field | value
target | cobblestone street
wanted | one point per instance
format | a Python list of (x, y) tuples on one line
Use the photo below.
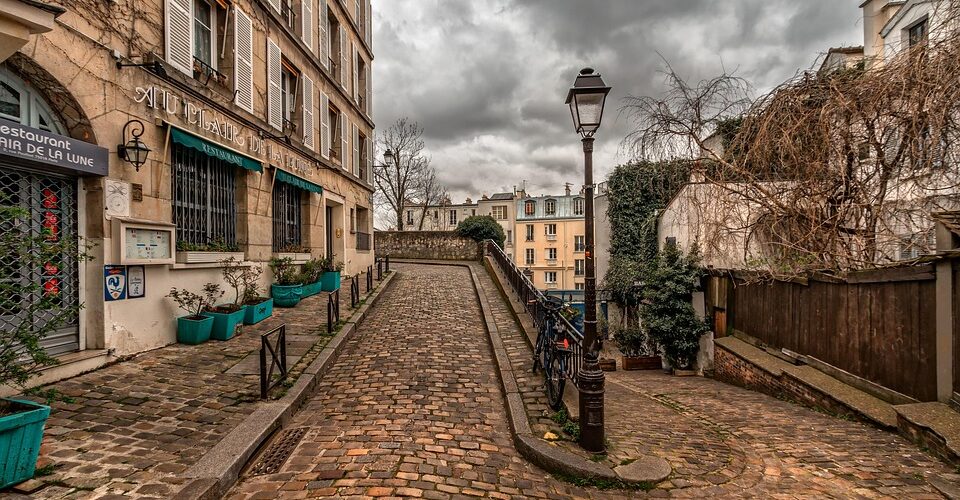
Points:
[(414, 408)]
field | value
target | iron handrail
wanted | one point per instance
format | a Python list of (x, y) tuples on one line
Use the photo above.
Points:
[(538, 306)]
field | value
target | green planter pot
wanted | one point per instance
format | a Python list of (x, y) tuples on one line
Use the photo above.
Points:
[(225, 325), (330, 281), (311, 289), (258, 312), (286, 295), (193, 331), (20, 436)]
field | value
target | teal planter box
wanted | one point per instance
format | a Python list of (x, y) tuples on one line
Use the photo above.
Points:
[(311, 289), (20, 436), (258, 312), (330, 281), (193, 331), (286, 295), (225, 325)]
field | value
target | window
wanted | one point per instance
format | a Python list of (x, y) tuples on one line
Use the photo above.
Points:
[(203, 32), (409, 217), (335, 52), (453, 217), (578, 244), (20, 103), (509, 238), (530, 207), (529, 232), (500, 212), (551, 254), (336, 133), (364, 240), (579, 266), (353, 221), (288, 87), (550, 277), (287, 217), (473, 211), (436, 214), (578, 286), (550, 207), (578, 206), (204, 198), (530, 256), (671, 241), (550, 229), (287, 13), (917, 33)]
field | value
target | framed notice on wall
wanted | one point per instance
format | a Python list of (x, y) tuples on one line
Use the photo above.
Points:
[(145, 242), (136, 282)]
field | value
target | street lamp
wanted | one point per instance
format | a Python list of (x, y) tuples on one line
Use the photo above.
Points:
[(586, 99)]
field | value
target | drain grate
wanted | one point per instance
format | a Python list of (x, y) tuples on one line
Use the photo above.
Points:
[(278, 452)]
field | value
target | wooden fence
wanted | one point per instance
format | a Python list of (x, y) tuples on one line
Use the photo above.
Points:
[(878, 325)]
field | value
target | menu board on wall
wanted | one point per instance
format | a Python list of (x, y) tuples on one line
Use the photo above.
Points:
[(142, 242)]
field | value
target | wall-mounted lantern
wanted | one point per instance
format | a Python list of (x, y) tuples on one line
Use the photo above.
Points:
[(134, 151)]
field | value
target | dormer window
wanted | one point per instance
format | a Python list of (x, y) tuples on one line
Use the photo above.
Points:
[(550, 207), (578, 206), (529, 207)]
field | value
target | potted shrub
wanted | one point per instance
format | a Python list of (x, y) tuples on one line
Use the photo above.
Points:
[(330, 278), (310, 274), (228, 318), (667, 309), (258, 308), (287, 290), (638, 351), (194, 328), (297, 253), (21, 354)]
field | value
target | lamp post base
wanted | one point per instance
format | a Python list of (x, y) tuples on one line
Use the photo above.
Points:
[(591, 405)]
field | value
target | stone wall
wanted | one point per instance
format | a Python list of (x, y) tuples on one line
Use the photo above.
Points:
[(426, 245)]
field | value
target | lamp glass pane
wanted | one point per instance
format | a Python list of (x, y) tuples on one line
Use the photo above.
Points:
[(589, 107)]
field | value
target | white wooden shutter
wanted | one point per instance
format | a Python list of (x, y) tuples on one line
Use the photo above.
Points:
[(369, 20), (306, 22), (324, 125), (344, 134), (369, 78), (344, 58), (355, 137), (309, 127), (369, 165), (274, 91), (243, 60), (275, 4), (356, 73), (324, 35), (179, 42)]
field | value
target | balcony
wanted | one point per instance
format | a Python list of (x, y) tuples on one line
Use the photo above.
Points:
[(364, 241), (288, 15)]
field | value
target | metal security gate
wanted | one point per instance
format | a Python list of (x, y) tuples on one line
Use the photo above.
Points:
[(204, 198), (51, 202), (287, 217)]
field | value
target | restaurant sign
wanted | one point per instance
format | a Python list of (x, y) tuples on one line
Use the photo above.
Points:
[(53, 151)]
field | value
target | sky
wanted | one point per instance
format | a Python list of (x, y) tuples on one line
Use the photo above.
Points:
[(487, 79)]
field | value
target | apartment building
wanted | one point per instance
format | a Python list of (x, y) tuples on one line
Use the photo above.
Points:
[(502, 208), (549, 240), (444, 216), (169, 134)]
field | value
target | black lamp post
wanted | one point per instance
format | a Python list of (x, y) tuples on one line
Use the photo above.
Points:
[(586, 99)]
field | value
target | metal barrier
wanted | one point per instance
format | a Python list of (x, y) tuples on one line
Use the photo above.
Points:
[(379, 269), (333, 310), (369, 278), (354, 291), (278, 359), (536, 304)]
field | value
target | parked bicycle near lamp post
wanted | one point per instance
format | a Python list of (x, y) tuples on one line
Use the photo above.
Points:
[(553, 349)]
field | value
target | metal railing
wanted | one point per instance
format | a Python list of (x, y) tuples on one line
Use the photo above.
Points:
[(278, 359), (354, 291), (333, 310), (535, 302)]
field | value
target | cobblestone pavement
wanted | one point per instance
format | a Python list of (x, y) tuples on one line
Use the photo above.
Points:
[(131, 428), (412, 408)]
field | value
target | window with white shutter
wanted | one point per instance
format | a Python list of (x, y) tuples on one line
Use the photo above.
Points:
[(344, 134), (324, 125), (369, 165), (275, 4), (324, 35), (274, 90), (243, 60), (179, 42), (306, 22), (309, 127), (356, 150), (369, 20), (368, 74), (344, 58), (356, 73)]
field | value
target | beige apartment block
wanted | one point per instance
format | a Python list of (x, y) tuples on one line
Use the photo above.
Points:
[(550, 240), (258, 120), (441, 217)]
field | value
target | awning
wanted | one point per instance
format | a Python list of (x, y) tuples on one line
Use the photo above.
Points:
[(287, 177), (211, 149)]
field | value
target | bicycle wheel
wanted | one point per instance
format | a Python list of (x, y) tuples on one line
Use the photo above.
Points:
[(538, 351), (556, 380)]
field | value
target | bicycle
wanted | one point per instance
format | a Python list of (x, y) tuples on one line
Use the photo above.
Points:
[(552, 350)]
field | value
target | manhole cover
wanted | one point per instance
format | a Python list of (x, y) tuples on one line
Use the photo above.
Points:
[(278, 452)]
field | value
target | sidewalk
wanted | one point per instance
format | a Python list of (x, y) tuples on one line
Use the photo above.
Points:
[(134, 427)]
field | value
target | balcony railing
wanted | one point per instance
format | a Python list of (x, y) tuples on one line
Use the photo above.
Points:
[(288, 14), (551, 237), (363, 241)]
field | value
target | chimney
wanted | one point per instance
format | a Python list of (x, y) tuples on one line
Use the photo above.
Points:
[(469, 201), (567, 187)]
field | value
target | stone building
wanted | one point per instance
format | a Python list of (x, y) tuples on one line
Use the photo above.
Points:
[(257, 117), (549, 240), (443, 216)]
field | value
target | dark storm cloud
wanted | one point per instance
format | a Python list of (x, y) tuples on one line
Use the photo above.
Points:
[(487, 79)]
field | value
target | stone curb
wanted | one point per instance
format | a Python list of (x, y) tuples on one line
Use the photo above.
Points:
[(213, 475), (547, 456)]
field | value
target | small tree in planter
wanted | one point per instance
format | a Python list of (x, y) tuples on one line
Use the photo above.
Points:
[(667, 310), (39, 309), (259, 308), (311, 273), (228, 317), (639, 351), (194, 328), (288, 288)]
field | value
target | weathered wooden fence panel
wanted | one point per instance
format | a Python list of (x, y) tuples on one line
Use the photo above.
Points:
[(880, 326)]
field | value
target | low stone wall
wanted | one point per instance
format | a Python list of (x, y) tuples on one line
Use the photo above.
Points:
[(426, 245)]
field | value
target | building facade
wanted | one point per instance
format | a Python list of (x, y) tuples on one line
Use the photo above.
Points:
[(502, 208), (549, 240), (441, 217), (257, 117)]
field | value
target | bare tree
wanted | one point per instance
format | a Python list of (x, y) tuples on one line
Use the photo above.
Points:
[(429, 192), (398, 181)]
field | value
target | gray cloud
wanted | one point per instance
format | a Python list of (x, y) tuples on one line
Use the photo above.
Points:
[(487, 79)]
